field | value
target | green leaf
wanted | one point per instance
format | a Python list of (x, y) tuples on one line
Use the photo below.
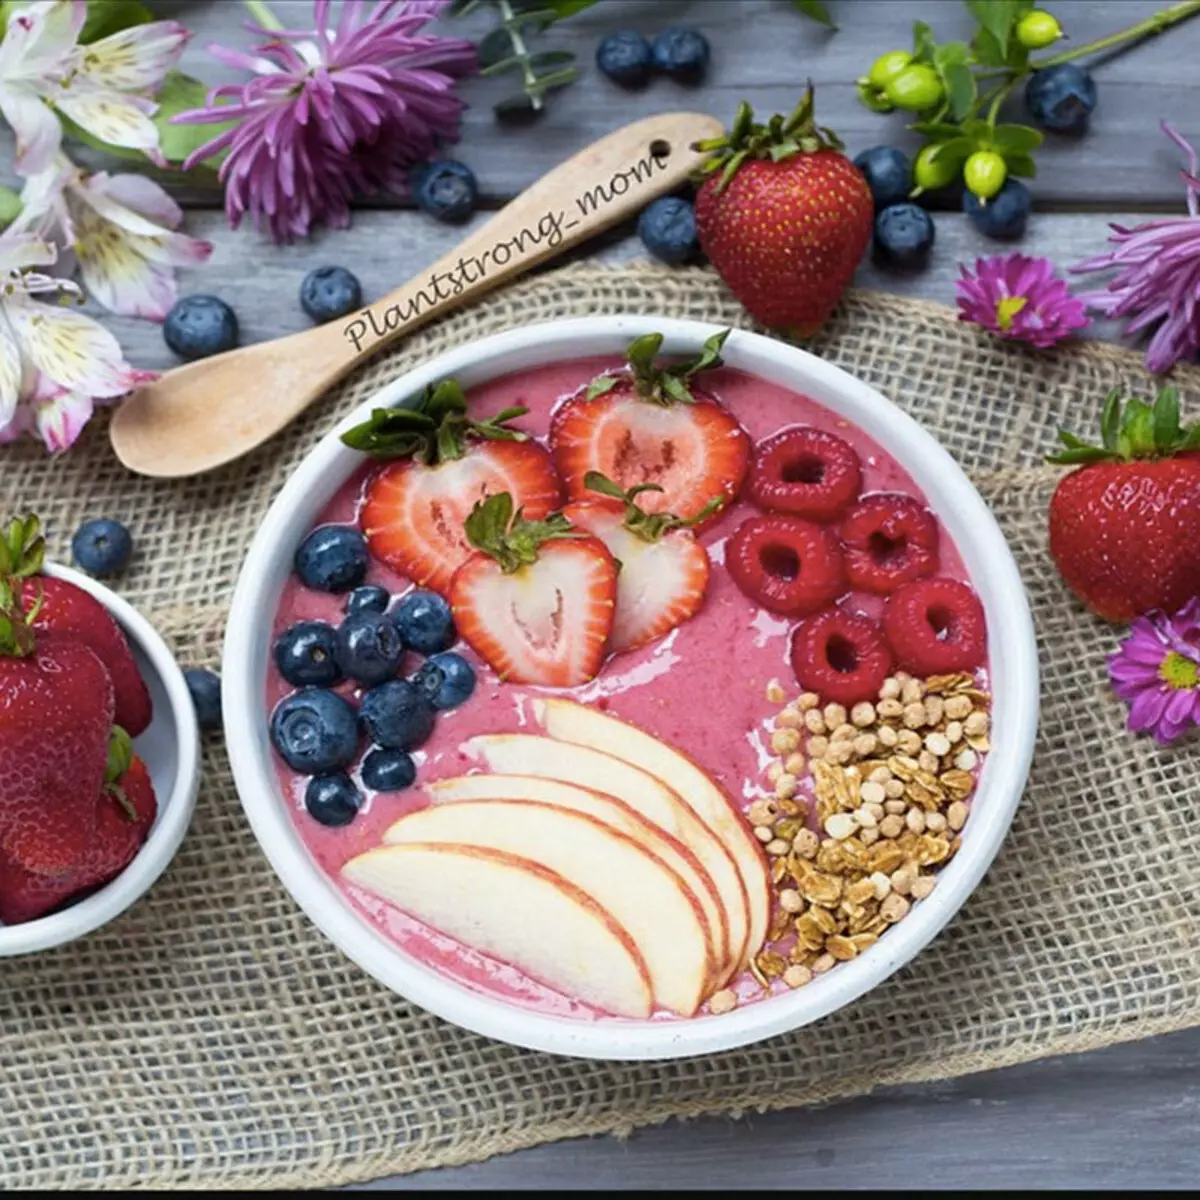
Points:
[(997, 17), (1166, 419), (1083, 455), (1016, 139), (1021, 165), (949, 52), (937, 131), (106, 17), (1110, 420), (555, 79), (567, 8), (518, 108), (10, 206), (495, 47), (923, 41), (815, 10), (987, 49), (551, 58), (1137, 430), (179, 93), (960, 89)]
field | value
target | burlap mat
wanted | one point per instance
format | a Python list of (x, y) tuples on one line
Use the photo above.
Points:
[(213, 1037)]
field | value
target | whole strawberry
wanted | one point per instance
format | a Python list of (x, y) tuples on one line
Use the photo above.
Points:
[(1125, 527), (784, 216)]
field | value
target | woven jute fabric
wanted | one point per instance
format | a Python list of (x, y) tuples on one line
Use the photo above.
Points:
[(212, 1037)]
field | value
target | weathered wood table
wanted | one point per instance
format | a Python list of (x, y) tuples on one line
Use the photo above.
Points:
[(1123, 1117)]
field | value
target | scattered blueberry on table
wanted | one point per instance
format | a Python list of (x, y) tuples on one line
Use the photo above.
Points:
[(306, 655), (388, 771), (315, 731), (1061, 98), (682, 54), (447, 679), (368, 647), (904, 235), (446, 190), (102, 547), (667, 227), (425, 622), (332, 799), (1005, 214), (368, 598), (888, 172), (330, 292), (333, 558), (397, 715), (205, 689), (626, 58), (199, 326)]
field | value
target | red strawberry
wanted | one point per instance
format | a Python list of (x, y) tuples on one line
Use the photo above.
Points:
[(1124, 528), (62, 608), (649, 427), (416, 507), (664, 570), (536, 603), (124, 813), (56, 711), (784, 217)]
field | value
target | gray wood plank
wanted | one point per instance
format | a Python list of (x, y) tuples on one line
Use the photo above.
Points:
[(763, 52)]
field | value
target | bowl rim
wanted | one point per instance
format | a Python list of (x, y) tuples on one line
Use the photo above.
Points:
[(1006, 768), (175, 812)]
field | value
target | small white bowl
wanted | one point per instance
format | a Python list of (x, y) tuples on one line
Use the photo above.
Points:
[(170, 748), (989, 562)]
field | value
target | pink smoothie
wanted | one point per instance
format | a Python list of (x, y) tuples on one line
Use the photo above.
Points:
[(702, 688)]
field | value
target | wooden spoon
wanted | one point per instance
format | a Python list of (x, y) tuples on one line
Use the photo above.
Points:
[(210, 412)]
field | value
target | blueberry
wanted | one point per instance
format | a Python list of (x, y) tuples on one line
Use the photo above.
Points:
[(1005, 214), (333, 558), (198, 326), (888, 172), (388, 771), (682, 54), (425, 623), (332, 799), (667, 228), (368, 647), (305, 655), (102, 547), (397, 715), (446, 190), (330, 292), (205, 689), (903, 235), (315, 731), (447, 679), (626, 58), (1061, 98), (368, 599)]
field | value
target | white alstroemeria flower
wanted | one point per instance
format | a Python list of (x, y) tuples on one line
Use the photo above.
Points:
[(55, 365), (104, 88), (122, 230)]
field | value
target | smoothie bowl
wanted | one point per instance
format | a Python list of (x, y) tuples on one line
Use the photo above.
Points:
[(634, 691)]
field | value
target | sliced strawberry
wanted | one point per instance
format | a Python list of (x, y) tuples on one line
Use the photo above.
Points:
[(664, 570), (415, 508), (536, 602), (649, 427)]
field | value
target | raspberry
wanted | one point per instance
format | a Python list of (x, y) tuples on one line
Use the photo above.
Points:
[(790, 566), (841, 656), (888, 539), (806, 472), (936, 626)]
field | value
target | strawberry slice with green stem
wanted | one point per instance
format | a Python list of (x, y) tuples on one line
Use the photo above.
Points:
[(536, 601), (444, 463), (664, 570), (651, 426)]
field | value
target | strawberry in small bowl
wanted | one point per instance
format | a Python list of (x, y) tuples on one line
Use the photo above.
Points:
[(99, 750)]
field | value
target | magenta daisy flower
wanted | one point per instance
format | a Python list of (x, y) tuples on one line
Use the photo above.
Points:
[(1157, 672), (1158, 275), (1019, 297), (332, 112)]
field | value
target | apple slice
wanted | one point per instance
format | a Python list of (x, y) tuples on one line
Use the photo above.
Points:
[(529, 754), (516, 911), (612, 812), (645, 896), (581, 725)]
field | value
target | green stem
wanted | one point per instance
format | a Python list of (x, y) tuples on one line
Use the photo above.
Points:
[(263, 15), (1002, 93), (1147, 28), (522, 52)]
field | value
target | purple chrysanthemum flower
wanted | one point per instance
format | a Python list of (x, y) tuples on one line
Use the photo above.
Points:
[(1019, 297), (1158, 275), (332, 112), (1157, 672)]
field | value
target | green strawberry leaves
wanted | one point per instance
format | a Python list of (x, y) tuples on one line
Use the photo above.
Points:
[(661, 385), (650, 527), (494, 528), (22, 555), (1132, 430)]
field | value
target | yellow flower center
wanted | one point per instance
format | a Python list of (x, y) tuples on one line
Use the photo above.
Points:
[(1179, 672), (1008, 308)]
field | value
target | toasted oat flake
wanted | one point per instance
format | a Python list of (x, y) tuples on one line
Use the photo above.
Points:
[(775, 692), (722, 1002), (797, 976), (842, 948)]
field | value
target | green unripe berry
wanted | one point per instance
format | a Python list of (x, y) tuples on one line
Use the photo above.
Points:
[(1037, 29), (916, 88), (985, 173), (931, 170), (887, 65)]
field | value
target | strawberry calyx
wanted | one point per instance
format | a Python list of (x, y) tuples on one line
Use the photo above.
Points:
[(781, 137), (650, 527), (22, 555), (1130, 430), (661, 385), (494, 528), (120, 759), (431, 429)]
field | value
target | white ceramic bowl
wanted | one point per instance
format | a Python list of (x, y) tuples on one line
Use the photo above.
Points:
[(992, 570), (170, 748)]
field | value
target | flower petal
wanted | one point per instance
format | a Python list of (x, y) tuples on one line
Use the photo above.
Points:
[(40, 38), (10, 372), (39, 134), (125, 282), (112, 117), (134, 59), (137, 194), (60, 420)]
